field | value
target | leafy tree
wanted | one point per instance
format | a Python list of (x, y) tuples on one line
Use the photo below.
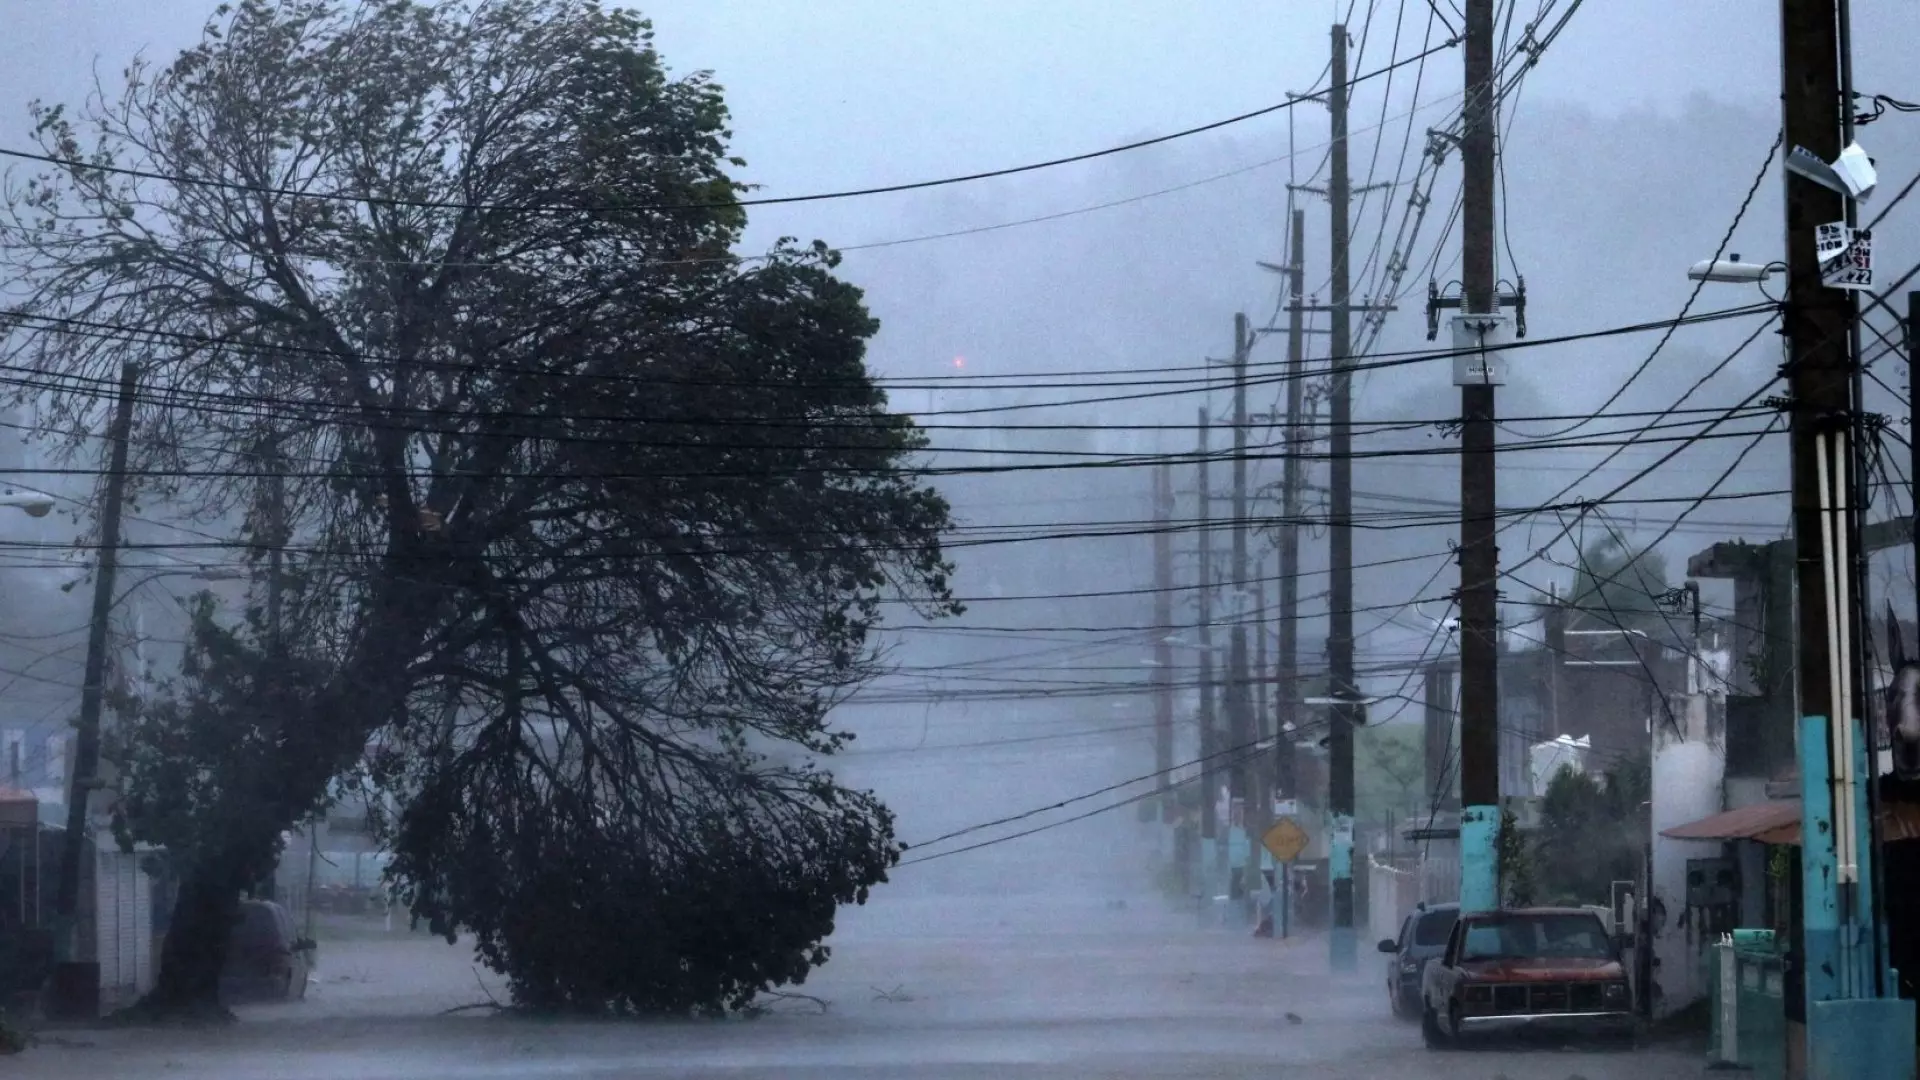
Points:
[(590, 512), (201, 763), (1515, 863), (1613, 585), (1390, 770), (1593, 832)]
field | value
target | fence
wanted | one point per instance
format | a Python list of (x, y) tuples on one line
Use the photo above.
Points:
[(1393, 891)]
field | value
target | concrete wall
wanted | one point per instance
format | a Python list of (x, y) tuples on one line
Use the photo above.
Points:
[(1688, 768)]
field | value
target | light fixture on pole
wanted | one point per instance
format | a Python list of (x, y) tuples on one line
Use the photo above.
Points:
[(34, 503), (1732, 271)]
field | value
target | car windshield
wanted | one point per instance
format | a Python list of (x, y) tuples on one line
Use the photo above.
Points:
[(1432, 928), (1515, 937)]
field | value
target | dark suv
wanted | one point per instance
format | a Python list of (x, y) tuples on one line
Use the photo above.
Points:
[(1422, 937)]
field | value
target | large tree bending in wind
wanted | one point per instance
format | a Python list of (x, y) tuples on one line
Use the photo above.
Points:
[(586, 512)]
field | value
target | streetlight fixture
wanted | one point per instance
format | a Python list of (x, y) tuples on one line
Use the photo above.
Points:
[(1732, 271), (35, 503), (198, 573)]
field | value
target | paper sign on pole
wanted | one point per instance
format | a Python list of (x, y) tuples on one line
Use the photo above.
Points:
[(1846, 256)]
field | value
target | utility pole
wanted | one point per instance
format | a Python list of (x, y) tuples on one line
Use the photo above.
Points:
[(1437, 701), (1913, 430), (1209, 735), (1287, 687), (1240, 718), (77, 942), (1342, 956), (275, 511), (1262, 711), (1162, 648), (1855, 1022), (1479, 558)]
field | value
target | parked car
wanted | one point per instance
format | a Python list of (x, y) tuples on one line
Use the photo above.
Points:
[(267, 960), (1423, 936), (1554, 969)]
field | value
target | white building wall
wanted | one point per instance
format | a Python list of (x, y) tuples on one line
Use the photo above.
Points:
[(1688, 770)]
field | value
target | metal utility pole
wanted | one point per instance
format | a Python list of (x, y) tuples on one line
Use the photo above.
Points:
[(1287, 677), (1162, 648), (1240, 719), (1479, 558), (1209, 735), (1856, 1024), (75, 941), (1342, 954)]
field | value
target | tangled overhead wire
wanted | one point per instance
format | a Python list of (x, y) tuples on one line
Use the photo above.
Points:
[(1880, 105)]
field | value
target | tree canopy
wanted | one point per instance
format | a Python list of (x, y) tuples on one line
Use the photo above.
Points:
[(1615, 585), (582, 509), (1593, 832)]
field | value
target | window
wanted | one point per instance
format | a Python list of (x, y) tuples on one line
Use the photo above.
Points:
[(1513, 937), (1433, 928)]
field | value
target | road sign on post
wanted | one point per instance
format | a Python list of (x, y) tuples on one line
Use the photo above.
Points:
[(1285, 840)]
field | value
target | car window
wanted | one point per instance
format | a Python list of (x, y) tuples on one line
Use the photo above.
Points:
[(1434, 928), (1529, 935), (1486, 941), (1401, 940)]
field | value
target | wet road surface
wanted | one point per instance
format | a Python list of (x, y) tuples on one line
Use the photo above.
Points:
[(916, 990)]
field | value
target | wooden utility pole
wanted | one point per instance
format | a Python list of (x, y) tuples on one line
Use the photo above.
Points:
[(1262, 709), (1479, 558), (1240, 718), (1913, 430), (1341, 942), (76, 942), (1855, 1022), (1287, 677), (1437, 699), (1209, 733), (1162, 648)]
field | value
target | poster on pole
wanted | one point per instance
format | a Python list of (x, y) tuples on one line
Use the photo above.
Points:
[(1846, 256)]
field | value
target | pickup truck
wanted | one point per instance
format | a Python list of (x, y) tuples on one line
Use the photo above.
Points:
[(1527, 969)]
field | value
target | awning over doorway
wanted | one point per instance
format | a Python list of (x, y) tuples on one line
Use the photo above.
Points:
[(1777, 821), (1746, 823)]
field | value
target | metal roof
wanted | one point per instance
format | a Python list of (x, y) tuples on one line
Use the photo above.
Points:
[(1777, 821), (1746, 823)]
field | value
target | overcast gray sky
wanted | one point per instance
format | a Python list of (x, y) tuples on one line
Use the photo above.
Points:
[(1632, 144)]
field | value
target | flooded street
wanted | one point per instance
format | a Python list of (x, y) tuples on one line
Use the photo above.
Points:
[(917, 988)]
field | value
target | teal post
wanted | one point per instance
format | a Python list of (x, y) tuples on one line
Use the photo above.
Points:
[(1851, 1032), (1480, 858), (1342, 942)]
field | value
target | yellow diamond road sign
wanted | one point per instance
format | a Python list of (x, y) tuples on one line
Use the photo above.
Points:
[(1286, 840)]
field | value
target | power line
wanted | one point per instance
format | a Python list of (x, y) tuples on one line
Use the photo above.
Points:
[(135, 335), (1720, 249), (79, 166)]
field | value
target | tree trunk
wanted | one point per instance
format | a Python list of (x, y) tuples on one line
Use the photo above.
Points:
[(195, 951)]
